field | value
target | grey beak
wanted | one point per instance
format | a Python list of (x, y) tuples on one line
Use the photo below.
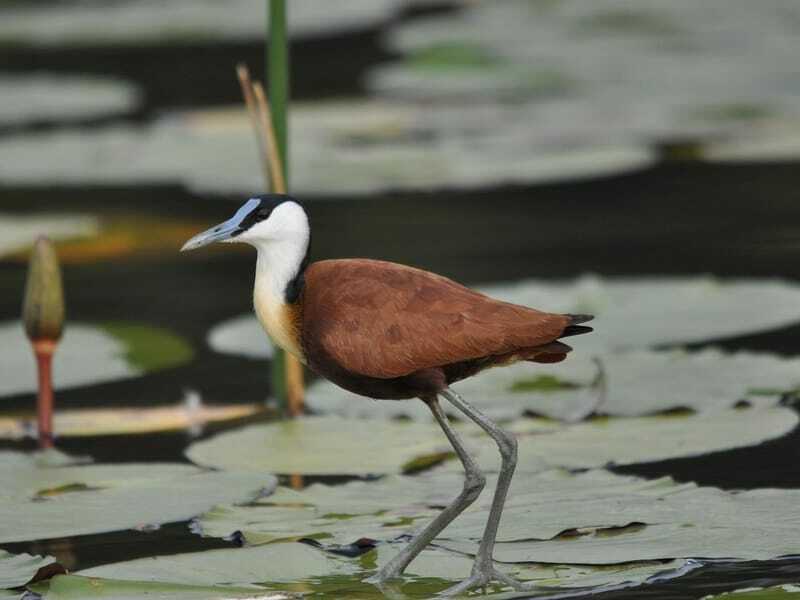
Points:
[(223, 231)]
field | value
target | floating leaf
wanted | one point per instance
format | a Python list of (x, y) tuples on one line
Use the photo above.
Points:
[(37, 98), (118, 421), (149, 348), (74, 587), (185, 148), (641, 382), (634, 440), (319, 445), (298, 566), (331, 445), (113, 497), (235, 566), (18, 569), (90, 354), (241, 336), (555, 517)]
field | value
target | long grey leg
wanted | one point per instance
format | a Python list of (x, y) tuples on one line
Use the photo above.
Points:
[(473, 485), (483, 570)]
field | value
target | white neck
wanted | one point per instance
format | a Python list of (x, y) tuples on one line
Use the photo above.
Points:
[(282, 243), (277, 265)]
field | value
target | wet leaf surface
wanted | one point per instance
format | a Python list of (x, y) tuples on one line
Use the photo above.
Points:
[(332, 445), (74, 587), (557, 517), (324, 445), (99, 498), (301, 568), (641, 382)]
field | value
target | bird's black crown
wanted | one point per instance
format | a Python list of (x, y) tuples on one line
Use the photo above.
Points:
[(267, 203)]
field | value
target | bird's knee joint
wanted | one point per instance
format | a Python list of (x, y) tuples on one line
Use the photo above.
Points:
[(474, 484), (508, 447)]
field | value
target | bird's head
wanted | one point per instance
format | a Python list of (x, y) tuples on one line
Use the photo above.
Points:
[(261, 221)]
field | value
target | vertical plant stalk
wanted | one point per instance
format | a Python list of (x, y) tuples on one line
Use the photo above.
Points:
[(43, 315), (271, 130)]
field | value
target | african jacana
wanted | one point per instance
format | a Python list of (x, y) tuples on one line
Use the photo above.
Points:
[(393, 332)]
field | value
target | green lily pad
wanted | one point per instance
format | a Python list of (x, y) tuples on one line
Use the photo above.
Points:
[(18, 569), (641, 382), (75, 587), (38, 501), (624, 441), (89, 354), (554, 517), (293, 566), (149, 348), (318, 445), (331, 445)]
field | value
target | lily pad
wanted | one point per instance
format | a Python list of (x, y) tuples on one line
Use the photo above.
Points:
[(368, 146), (90, 354), (18, 569), (300, 566), (331, 445), (241, 336), (657, 70), (317, 445), (624, 441), (119, 421), (665, 310), (137, 22), (18, 232), (38, 98), (75, 587), (635, 383), (555, 517), (98, 498)]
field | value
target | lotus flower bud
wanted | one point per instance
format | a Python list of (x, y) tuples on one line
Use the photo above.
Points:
[(43, 307)]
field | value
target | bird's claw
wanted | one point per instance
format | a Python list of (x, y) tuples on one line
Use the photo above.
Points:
[(483, 576)]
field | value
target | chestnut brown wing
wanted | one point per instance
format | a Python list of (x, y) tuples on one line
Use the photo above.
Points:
[(385, 320)]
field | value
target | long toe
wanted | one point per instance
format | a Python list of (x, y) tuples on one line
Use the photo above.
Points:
[(483, 577)]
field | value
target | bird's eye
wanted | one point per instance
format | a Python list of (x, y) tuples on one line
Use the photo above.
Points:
[(264, 213)]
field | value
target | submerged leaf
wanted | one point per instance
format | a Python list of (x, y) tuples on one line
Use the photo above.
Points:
[(111, 497), (90, 354), (778, 592)]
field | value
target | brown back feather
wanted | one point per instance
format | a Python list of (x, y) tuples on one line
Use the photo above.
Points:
[(384, 320)]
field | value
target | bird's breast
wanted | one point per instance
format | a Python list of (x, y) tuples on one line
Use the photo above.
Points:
[(280, 320)]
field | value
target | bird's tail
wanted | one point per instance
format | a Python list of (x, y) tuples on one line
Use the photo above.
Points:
[(574, 327)]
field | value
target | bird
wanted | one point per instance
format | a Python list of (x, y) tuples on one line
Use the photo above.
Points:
[(394, 332)]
